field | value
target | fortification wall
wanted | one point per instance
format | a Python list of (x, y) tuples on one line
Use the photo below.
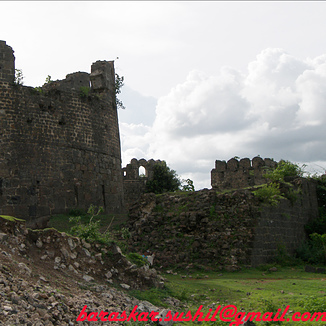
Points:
[(224, 230), (59, 147), (235, 174), (134, 182)]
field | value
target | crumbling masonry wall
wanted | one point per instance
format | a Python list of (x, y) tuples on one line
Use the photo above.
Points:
[(235, 174), (59, 145), (134, 183), (222, 229)]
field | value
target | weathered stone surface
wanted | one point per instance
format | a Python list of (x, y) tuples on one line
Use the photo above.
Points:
[(60, 148), (223, 229)]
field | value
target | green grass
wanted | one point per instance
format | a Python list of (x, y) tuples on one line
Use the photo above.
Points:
[(248, 290), (111, 221), (11, 218)]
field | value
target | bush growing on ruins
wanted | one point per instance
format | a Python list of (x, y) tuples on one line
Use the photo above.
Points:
[(19, 77), (137, 259), (91, 231), (164, 179), (84, 91), (285, 169), (269, 193)]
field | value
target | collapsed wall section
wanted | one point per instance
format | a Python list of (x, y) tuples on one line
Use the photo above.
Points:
[(60, 145)]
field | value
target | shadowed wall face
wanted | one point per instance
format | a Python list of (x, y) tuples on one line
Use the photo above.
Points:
[(59, 145)]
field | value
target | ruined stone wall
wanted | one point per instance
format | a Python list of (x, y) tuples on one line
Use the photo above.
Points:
[(59, 147), (282, 227), (235, 174), (224, 230), (134, 183)]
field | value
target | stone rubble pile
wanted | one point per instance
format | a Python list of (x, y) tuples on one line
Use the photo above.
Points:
[(47, 277)]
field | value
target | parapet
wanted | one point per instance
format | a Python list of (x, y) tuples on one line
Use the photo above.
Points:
[(7, 63), (235, 174), (132, 171)]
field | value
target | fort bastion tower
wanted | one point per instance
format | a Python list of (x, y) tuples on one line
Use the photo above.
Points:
[(59, 144)]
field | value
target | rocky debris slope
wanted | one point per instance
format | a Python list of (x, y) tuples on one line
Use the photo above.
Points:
[(47, 277)]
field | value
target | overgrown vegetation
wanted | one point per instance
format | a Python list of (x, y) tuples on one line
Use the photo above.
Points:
[(84, 91), (166, 180), (284, 169), (314, 249), (270, 193), (137, 259), (90, 232)]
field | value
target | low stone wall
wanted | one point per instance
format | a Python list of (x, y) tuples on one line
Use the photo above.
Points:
[(224, 230)]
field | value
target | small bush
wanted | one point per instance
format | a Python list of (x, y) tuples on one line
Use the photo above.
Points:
[(313, 251), (269, 193), (90, 231), (84, 91), (137, 259)]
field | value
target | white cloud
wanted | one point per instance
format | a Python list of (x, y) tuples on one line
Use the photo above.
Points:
[(277, 110)]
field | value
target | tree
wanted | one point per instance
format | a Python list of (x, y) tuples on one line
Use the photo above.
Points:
[(188, 186), (118, 84), (164, 179)]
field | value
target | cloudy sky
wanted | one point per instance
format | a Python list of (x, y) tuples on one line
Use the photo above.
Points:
[(203, 80)]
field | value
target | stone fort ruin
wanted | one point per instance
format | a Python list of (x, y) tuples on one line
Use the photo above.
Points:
[(59, 144), (235, 174)]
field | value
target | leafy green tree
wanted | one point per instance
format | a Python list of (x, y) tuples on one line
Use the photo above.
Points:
[(164, 179)]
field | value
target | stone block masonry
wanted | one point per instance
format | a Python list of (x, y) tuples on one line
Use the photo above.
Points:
[(235, 174), (59, 144)]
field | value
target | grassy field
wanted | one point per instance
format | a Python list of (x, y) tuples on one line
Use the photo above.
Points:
[(249, 290)]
